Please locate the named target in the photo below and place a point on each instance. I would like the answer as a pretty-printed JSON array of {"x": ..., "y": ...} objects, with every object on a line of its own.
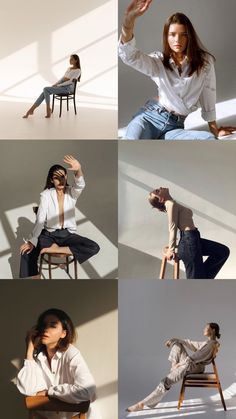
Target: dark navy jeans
[
  {"x": 81, "y": 247},
  {"x": 191, "y": 250}
]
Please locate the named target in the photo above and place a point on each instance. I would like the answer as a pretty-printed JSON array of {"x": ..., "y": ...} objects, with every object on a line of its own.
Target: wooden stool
[
  {"x": 164, "y": 262},
  {"x": 47, "y": 258},
  {"x": 36, "y": 404},
  {"x": 204, "y": 379}
]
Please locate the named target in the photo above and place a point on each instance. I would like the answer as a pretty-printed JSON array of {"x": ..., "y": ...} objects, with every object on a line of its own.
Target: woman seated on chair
[
  {"x": 64, "y": 85},
  {"x": 53, "y": 366},
  {"x": 182, "y": 362},
  {"x": 191, "y": 247},
  {"x": 55, "y": 228}
]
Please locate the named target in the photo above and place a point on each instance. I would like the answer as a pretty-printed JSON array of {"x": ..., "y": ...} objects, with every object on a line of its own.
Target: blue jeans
[
  {"x": 154, "y": 122},
  {"x": 51, "y": 90},
  {"x": 191, "y": 250}
]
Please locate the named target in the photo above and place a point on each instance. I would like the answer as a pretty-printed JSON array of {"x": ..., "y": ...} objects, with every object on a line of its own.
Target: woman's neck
[{"x": 60, "y": 192}]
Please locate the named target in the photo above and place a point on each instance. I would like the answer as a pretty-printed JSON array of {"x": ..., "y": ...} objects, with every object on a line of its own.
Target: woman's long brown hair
[{"x": 195, "y": 51}]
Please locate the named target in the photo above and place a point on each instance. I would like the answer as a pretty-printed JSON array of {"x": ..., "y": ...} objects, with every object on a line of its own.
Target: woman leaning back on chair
[
  {"x": 55, "y": 226},
  {"x": 191, "y": 247},
  {"x": 182, "y": 362},
  {"x": 184, "y": 74},
  {"x": 64, "y": 85}
]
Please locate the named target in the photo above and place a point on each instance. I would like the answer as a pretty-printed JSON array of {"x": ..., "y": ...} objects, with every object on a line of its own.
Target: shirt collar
[
  {"x": 42, "y": 357},
  {"x": 185, "y": 61}
]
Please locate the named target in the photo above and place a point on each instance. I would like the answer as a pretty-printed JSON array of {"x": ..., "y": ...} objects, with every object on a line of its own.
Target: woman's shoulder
[
  {"x": 157, "y": 54},
  {"x": 71, "y": 352},
  {"x": 46, "y": 192}
]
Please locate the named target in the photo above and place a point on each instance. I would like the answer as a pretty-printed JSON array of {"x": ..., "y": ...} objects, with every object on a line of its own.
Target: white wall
[
  {"x": 92, "y": 307},
  {"x": 150, "y": 312},
  {"x": 213, "y": 21},
  {"x": 24, "y": 168},
  {"x": 200, "y": 176}
]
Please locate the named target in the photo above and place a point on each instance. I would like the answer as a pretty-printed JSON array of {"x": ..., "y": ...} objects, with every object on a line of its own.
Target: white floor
[{"x": 89, "y": 123}]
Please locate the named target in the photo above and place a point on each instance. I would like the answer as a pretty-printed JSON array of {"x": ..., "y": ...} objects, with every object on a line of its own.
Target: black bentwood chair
[{"x": 67, "y": 97}]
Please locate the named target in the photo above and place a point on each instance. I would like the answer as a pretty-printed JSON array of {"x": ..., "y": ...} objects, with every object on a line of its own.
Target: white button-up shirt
[
  {"x": 71, "y": 73},
  {"x": 48, "y": 211},
  {"x": 68, "y": 379},
  {"x": 179, "y": 93}
]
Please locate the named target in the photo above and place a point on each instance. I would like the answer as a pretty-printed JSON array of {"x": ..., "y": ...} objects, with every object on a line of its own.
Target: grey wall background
[
  {"x": 92, "y": 307},
  {"x": 150, "y": 312},
  {"x": 24, "y": 167},
  {"x": 214, "y": 23},
  {"x": 200, "y": 176}
]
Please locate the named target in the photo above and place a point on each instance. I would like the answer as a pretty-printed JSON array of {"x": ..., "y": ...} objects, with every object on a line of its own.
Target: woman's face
[
  {"x": 161, "y": 193},
  {"x": 59, "y": 179},
  {"x": 177, "y": 38},
  {"x": 52, "y": 331},
  {"x": 208, "y": 331},
  {"x": 72, "y": 60}
]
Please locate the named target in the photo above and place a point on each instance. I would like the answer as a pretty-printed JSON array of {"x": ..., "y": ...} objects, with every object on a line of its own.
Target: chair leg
[
  {"x": 181, "y": 395},
  {"x": 75, "y": 268},
  {"x": 176, "y": 269},
  {"x": 222, "y": 397},
  {"x": 67, "y": 265},
  {"x": 50, "y": 266},
  {"x": 83, "y": 416},
  {"x": 163, "y": 267},
  {"x": 53, "y": 98},
  {"x": 67, "y": 103},
  {"x": 60, "y": 107},
  {"x": 75, "y": 106},
  {"x": 40, "y": 265}
]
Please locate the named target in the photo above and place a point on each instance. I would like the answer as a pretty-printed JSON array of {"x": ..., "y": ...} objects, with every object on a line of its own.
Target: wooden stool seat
[
  {"x": 36, "y": 404},
  {"x": 205, "y": 379},
  {"x": 164, "y": 262},
  {"x": 46, "y": 257}
]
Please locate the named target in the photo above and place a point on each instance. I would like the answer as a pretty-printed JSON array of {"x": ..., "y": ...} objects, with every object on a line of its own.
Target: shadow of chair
[
  {"x": 36, "y": 404},
  {"x": 51, "y": 259},
  {"x": 164, "y": 262},
  {"x": 67, "y": 97},
  {"x": 205, "y": 379}
]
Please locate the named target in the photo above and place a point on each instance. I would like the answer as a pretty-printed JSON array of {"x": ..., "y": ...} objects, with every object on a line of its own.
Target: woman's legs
[
  {"x": 81, "y": 247},
  {"x": 47, "y": 91},
  {"x": 29, "y": 264},
  {"x": 177, "y": 355},
  {"x": 182, "y": 134},
  {"x": 190, "y": 252},
  {"x": 217, "y": 255}
]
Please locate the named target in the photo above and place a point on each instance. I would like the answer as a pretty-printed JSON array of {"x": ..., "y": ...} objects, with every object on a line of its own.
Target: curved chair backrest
[{"x": 75, "y": 81}]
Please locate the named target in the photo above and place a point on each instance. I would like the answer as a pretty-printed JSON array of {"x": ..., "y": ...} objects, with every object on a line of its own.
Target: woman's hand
[
  {"x": 136, "y": 8},
  {"x": 222, "y": 131},
  {"x": 42, "y": 393},
  {"x": 32, "y": 339},
  {"x": 74, "y": 164},
  {"x": 169, "y": 342},
  {"x": 26, "y": 248},
  {"x": 170, "y": 254}
]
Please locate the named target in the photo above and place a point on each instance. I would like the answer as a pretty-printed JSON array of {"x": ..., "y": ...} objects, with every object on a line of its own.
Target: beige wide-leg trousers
[{"x": 177, "y": 355}]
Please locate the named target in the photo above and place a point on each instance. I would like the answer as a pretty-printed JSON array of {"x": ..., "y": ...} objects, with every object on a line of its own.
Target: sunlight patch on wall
[
  {"x": 4, "y": 243},
  {"x": 14, "y": 214}
]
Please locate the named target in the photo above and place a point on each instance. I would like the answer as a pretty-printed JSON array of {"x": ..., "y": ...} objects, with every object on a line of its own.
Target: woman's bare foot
[
  {"x": 36, "y": 277},
  {"x": 29, "y": 112},
  {"x": 53, "y": 248},
  {"x": 136, "y": 407},
  {"x": 49, "y": 112}
]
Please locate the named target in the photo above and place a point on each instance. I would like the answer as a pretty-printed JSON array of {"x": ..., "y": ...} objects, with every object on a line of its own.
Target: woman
[
  {"x": 191, "y": 247},
  {"x": 64, "y": 85},
  {"x": 182, "y": 362},
  {"x": 55, "y": 226},
  {"x": 184, "y": 74},
  {"x": 53, "y": 366}
]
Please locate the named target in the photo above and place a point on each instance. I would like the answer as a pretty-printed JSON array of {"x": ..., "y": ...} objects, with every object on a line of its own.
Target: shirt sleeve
[
  {"x": 82, "y": 389},
  {"x": 204, "y": 354},
  {"x": 193, "y": 345},
  {"x": 172, "y": 212},
  {"x": 77, "y": 187},
  {"x": 29, "y": 379},
  {"x": 130, "y": 55},
  {"x": 208, "y": 95},
  {"x": 40, "y": 220}
]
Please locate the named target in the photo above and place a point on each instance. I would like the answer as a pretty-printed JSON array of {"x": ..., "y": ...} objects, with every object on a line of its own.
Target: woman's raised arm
[{"x": 135, "y": 9}]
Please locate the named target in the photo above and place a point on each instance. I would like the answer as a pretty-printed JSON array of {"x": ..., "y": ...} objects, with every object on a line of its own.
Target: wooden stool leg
[
  {"x": 163, "y": 267},
  {"x": 176, "y": 268},
  {"x": 60, "y": 107},
  {"x": 67, "y": 103},
  {"x": 40, "y": 266},
  {"x": 67, "y": 265},
  {"x": 50, "y": 266},
  {"x": 83, "y": 416},
  {"x": 75, "y": 266}
]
